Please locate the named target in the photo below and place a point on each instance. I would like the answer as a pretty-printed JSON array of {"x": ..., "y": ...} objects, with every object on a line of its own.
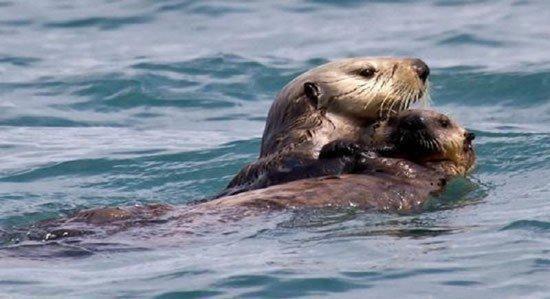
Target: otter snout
[
  {"x": 469, "y": 136},
  {"x": 421, "y": 68}
]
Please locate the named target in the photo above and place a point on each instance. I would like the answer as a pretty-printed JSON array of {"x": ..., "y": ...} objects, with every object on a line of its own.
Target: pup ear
[{"x": 313, "y": 93}]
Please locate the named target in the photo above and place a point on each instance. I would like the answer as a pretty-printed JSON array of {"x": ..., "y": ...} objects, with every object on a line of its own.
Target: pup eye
[
  {"x": 367, "y": 72},
  {"x": 445, "y": 123}
]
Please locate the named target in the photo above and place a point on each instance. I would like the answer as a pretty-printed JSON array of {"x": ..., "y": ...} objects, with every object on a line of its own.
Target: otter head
[
  {"x": 427, "y": 137},
  {"x": 352, "y": 93},
  {"x": 366, "y": 88}
]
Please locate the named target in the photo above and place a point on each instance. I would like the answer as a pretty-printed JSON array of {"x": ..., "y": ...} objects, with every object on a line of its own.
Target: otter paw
[{"x": 341, "y": 148}]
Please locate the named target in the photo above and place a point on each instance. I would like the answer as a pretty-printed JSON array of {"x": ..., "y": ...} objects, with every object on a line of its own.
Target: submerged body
[
  {"x": 404, "y": 189},
  {"x": 418, "y": 152}
]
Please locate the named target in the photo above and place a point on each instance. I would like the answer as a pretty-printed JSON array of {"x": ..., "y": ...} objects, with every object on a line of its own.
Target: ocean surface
[{"x": 109, "y": 103}]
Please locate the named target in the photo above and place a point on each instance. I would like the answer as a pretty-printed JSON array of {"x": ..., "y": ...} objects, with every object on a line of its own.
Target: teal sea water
[{"x": 135, "y": 102}]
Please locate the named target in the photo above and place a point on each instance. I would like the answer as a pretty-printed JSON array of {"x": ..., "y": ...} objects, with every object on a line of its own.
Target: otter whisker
[
  {"x": 415, "y": 95},
  {"x": 408, "y": 100},
  {"x": 371, "y": 100},
  {"x": 397, "y": 101},
  {"x": 403, "y": 104},
  {"x": 404, "y": 91},
  {"x": 392, "y": 105},
  {"x": 433, "y": 145},
  {"x": 425, "y": 144},
  {"x": 372, "y": 89},
  {"x": 382, "y": 106},
  {"x": 381, "y": 82}
]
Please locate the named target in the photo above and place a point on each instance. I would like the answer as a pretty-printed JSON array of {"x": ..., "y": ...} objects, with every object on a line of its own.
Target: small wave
[
  {"x": 512, "y": 152},
  {"x": 18, "y": 60},
  {"x": 280, "y": 287},
  {"x": 114, "y": 103},
  {"x": 458, "y": 2},
  {"x": 103, "y": 23},
  {"x": 45, "y": 121},
  {"x": 465, "y": 38},
  {"x": 202, "y": 8},
  {"x": 207, "y": 83},
  {"x": 189, "y": 294},
  {"x": 477, "y": 88},
  {"x": 64, "y": 250},
  {"x": 173, "y": 177},
  {"x": 529, "y": 225}
]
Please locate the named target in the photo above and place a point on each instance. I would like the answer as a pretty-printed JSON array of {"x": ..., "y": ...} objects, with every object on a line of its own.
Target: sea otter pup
[
  {"x": 416, "y": 153},
  {"x": 337, "y": 100}
]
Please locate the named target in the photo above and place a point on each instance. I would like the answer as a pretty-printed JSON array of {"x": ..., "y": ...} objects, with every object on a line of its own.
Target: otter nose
[
  {"x": 470, "y": 136},
  {"x": 413, "y": 122},
  {"x": 421, "y": 68}
]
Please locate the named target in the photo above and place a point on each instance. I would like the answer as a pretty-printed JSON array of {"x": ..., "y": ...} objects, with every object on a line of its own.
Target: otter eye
[
  {"x": 367, "y": 72},
  {"x": 444, "y": 122}
]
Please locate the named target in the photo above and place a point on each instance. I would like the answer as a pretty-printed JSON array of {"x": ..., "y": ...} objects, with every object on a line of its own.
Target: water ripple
[
  {"x": 111, "y": 23},
  {"x": 106, "y": 103},
  {"x": 529, "y": 225}
]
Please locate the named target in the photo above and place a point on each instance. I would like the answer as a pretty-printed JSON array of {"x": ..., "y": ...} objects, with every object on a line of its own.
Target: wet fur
[
  {"x": 331, "y": 102},
  {"x": 411, "y": 156},
  {"x": 377, "y": 183}
]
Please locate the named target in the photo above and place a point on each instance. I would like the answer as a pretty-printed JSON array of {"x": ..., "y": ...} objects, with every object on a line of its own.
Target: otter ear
[{"x": 313, "y": 93}]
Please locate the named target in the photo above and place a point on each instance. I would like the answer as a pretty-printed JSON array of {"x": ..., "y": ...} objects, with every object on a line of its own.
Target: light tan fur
[{"x": 348, "y": 102}]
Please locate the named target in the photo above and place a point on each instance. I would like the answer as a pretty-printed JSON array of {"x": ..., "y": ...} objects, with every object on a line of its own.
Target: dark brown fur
[
  {"x": 300, "y": 123},
  {"x": 421, "y": 150},
  {"x": 396, "y": 183}
]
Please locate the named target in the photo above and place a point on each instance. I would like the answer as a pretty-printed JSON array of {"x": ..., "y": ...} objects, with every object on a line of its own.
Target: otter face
[
  {"x": 426, "y": 136},
  {"x": 367, "y": 88}
]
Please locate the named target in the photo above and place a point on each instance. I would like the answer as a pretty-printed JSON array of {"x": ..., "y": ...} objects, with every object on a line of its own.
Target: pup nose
[
  {"x": 421, "y": 68},
  {"x": 470, "y": 136},
  {"x": 414, "y": 122}
]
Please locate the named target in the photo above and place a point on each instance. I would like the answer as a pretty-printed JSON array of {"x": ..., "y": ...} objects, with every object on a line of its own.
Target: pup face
[{"x": 425, "y": 136}]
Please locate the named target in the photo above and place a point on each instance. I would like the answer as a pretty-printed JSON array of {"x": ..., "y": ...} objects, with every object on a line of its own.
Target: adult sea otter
[
  {"x": 412, "y": 157},
  {"x": 337, "y": 100}
]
